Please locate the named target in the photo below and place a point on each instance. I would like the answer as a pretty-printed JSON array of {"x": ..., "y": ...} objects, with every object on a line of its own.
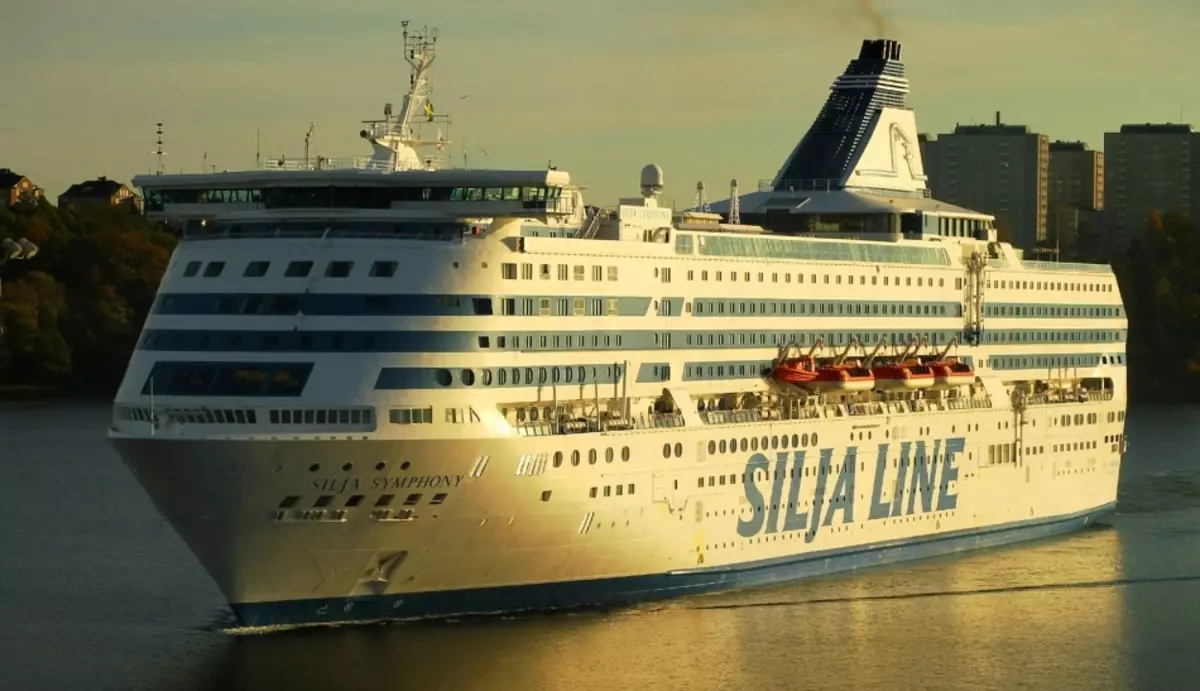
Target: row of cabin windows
[
  {"x": 1051, "y": 361},
  {"x": 1116, "y": 416},
  {"x": 1073, "y": 446},
  {"x": 557, "y": 307},
  {"x": 424, "y": 416},
  {"x": 1051, "y": 311},
  {"x": 383, "y": 501},
  {"x": 295, "y": 269},
  {"x": 718, "y": 307},
  {"x": 1051, "y": 285},
  {"x": 561, "y": 272},
  {"x": 828, "y": 279},
  {"x": 1052, "y": 337},
  {"x": 1077, "y": 419},
  {"x": 540, "y": 375},
  {"x": 735, "y": 445},
  {"x": 611, "y": 490},
  {"x": 330, "y": 416},
  {"x": 593, "y": 455}
]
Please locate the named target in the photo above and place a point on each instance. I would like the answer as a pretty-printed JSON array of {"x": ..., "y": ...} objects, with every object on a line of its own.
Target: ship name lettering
[
  {"x": 417, "y": 482},
  {"x": 918, "y": 485},
  {"x": 335, "y": 485}
]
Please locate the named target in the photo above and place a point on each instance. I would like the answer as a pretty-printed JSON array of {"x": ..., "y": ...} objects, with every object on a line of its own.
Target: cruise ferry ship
[{"x": 387, "y": 390}]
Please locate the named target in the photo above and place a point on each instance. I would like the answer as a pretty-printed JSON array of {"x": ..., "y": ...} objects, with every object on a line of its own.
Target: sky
[{"x": 708, "y": 89}]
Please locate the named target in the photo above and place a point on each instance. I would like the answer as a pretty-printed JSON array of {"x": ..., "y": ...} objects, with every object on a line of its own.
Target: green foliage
[
  {"x": 72, "y": 314},
  {"x": 1160, "y": 285}
]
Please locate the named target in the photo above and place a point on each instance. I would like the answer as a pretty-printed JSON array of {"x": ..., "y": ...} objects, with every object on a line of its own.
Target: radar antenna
[
  {"x": 735, "y": 207},
  {"x": 701, "y": 199},
  {"x": 395, "y": 140},
  {"x": 158, "y": 150}
]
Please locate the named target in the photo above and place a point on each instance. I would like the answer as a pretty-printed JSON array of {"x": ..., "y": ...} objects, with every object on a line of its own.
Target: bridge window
[
  {"x": 383, "y": 269},
  {"x": 214, "y": 269},
  {"x": 298, "y": 269},
  {"x": 256, "y": 269},
  {"x": 338, "y": 269}
]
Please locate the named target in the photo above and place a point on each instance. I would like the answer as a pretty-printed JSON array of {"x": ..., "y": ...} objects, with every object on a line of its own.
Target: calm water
[{"x": 96, "y": 593}]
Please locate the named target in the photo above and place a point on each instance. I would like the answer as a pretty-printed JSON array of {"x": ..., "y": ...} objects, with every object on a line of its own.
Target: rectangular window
[
  {"x": 383, "y": 269},
  {"x": 338, "y": 269},
  {"x": 214, "y": 269},
  {"x": 579, "y": 272},
  {"x": 191, "y": 269},
  {"x": 508, "y": 271},
  {"x": 612, "y": 273},
  {"x": 256, "y": 269},
  {"x": 298, "y": 269},
  {"x": 527, "y": 272}
]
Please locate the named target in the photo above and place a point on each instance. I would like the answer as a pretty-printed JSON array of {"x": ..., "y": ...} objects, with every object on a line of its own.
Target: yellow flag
[{"x": 429, "y": 111}]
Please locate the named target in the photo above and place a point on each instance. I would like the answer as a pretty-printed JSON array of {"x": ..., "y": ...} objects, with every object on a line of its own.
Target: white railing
[{"x": 345, "y": 163}]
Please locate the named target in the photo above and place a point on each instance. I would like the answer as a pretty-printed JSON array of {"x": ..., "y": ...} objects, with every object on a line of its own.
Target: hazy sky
[{"x": 708, "y": 89}]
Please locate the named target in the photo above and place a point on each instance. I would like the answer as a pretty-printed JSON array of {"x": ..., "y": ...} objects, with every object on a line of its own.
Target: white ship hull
[{"x": 494, "y": 546}]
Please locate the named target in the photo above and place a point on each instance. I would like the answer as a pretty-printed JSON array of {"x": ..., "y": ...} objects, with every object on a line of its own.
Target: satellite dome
[{"x": 652, "y": 180}]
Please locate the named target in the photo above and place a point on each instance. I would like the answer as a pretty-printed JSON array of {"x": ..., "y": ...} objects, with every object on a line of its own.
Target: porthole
[
  {"x": 314, "y": 467},
  {"x": 468, "y": 377},
  {"x": 774, "y": 442},
  {"x": 666, "y": 450},
  {"x": 795, "y": 441},
  {"x": 608, "y": 455},
  {"x": 625, "y": 453},
  {"x": 712, "y": 447},
  {"x": 487, "y": 377},
  {"x": 744, "y": 444},
  {"x": 783, "y": 441},
  {"x": 347, "y": 467},
  {"x": 723, "y": 447},
  {"x": 754, "y": 443},
  {"x": 804, "y": 440},
  {"x": 405, "y": 465},
  {"x": 678, "y": 450},
  {"x": 575, "y": 457},
  {"x": 380, "y": 466},
  {"x": 558, "y": 458},
  {"x": 591, "y": 457},
  {"x": 764, "y": 442},
  {"x": 444, "y": 378},
  {"x": 814, "y": 439}
]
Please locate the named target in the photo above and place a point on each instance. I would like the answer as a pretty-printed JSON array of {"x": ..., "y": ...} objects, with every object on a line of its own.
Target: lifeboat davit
[
  {"x": 907, "y": 377},
  {"x": 949, "y": 374},
  {"x": 804, "y": 372}
]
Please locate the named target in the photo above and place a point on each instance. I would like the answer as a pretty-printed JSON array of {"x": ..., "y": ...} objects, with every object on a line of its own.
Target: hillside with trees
[{"x": 71, "y": 315}]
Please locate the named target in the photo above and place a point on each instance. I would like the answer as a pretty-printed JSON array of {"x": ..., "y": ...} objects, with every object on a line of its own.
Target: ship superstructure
[{"x": 500, "y": 410}]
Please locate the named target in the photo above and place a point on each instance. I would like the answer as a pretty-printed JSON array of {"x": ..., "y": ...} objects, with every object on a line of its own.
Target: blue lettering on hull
[{"x": 923, "y": 483}]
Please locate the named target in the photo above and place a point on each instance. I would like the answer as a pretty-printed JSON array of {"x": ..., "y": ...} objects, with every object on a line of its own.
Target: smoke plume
[{"x": 868, "y": 9}]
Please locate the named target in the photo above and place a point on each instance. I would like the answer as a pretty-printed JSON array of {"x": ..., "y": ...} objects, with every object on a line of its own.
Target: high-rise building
[
  {"x": 1076, "y": 176},
  {"x": 1000, "y": 169},
  {"x": 1149, "y": 168}
]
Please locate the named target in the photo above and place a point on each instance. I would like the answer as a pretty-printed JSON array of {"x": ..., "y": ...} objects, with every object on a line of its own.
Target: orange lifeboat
[
  {"x": 797, "y": 371},
  {"x": 903, "y": 376},
  {"x": 805, "y": 373},
  {"x": 948, "y": 374}
]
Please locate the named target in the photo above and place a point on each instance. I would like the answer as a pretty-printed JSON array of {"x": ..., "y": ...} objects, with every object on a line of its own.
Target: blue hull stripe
[{"x": 632, "y": 589}]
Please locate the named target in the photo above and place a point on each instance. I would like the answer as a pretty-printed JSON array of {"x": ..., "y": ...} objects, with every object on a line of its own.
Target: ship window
[
  {"x": 256, "y": 269},
  {"x": 338, "y": 269},
  {"x": 288, "y": 502},
  {"x": 383, "y": 269},
  {"x": 323, "y": 501},
  {"x": 214, "y": 269},
  {"x": 412, "y": 499},
  {"x": 546, "y": 495},
  {"x": 384, "y": 500},
  {"x": 298, "y": 269},
  {"x": 191, "y": 269},
  {"x": 354, "y": 501}
]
